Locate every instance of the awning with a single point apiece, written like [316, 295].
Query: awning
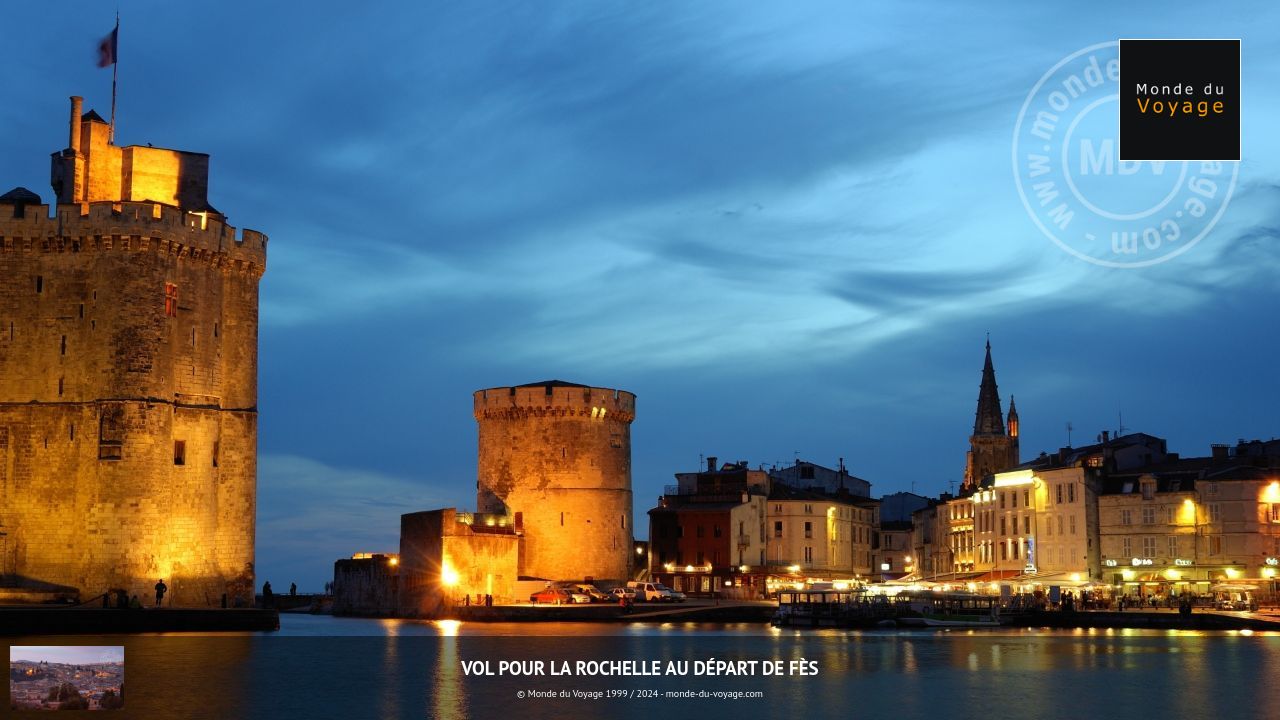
[1055, 578]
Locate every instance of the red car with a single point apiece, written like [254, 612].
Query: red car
[551, 596]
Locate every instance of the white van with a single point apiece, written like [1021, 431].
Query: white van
[650, 592]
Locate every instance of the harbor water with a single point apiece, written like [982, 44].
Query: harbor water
[325, 667]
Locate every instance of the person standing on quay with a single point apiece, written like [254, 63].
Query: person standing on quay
[161, 588]
[268, 598]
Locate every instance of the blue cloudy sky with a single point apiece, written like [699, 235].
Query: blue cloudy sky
[785, 227]
[70, 654]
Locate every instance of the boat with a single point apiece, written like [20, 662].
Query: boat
[951, 609]
[859, 608]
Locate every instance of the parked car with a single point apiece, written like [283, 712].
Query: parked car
[672, 595]
[551, 596]
[577, 596]
[620, 593]
[592, 592]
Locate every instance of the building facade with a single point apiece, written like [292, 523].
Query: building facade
[1188, 525]
[707, 534]
[128, 378]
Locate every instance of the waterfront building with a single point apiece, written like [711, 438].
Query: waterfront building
[931, 542]
[811, 476]
[892, 557]
[824, 535]
[128, 379]
[707, 536]
[1188, 524]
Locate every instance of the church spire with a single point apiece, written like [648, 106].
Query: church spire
[989, 419]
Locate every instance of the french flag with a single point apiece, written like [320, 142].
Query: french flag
[107, 48]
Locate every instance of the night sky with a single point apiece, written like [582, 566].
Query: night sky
[787, 230]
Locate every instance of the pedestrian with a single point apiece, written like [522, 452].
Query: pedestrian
[268, 598]
[161, 589]
[488, 600]
[466, 600]
[293, 589]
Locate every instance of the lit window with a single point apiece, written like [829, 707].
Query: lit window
[170, 300]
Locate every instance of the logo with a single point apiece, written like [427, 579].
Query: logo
[1096, 207]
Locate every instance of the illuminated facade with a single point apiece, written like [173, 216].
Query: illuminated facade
[557, 456]
[1191, 523]
[128, 378]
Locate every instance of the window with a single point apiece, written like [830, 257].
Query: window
[700, 533]
[808, 509]
[1048, 528]
[1173, 546]
[1059, 524]
[111, 433]
[700, 558]
[1215, 544]
[1026, 498]
[1275, 512]
[1071, 493]
[39, 283]
[1059, 493]
[1001, 501]
[715, 531]
[1017, 548]
[808, 529]
[1013, 498]
[1126, 547]
[777, 528]
[1026, 524]
[1004, 551]
[1126, 517]
[1148, 547]
[1002, 527]
[1148, 515]
[62, 349]
[808, 554]
[170, 300]
[1148, 490]
[1215, 513]
[1073, 524]
[179, 452]
[677, 583]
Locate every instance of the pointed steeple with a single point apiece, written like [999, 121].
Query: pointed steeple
[989, 420]
[1013, 418]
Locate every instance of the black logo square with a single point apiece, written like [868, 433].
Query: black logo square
[1179, 100]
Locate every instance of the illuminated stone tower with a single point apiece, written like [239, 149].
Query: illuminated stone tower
[128, 378]
[991, 449]
[559, 455]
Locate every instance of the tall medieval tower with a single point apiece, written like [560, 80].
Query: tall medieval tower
[559, 455]
[128, 378]
[991, 449]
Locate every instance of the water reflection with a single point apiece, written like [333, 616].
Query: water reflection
[327, 667]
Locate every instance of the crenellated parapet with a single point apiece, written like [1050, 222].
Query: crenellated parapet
[555, 399]
[144, 227]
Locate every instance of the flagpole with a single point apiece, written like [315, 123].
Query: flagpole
[115, 70]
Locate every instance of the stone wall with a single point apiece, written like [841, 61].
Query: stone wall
[128, 400]
[444, 558]
[365, 586]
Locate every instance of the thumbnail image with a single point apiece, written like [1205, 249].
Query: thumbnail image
[66, 677]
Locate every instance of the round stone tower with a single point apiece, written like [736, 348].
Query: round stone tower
[559, 455]
[128, 379]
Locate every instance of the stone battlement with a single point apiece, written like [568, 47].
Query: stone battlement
[554, 399]
[139, 226]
